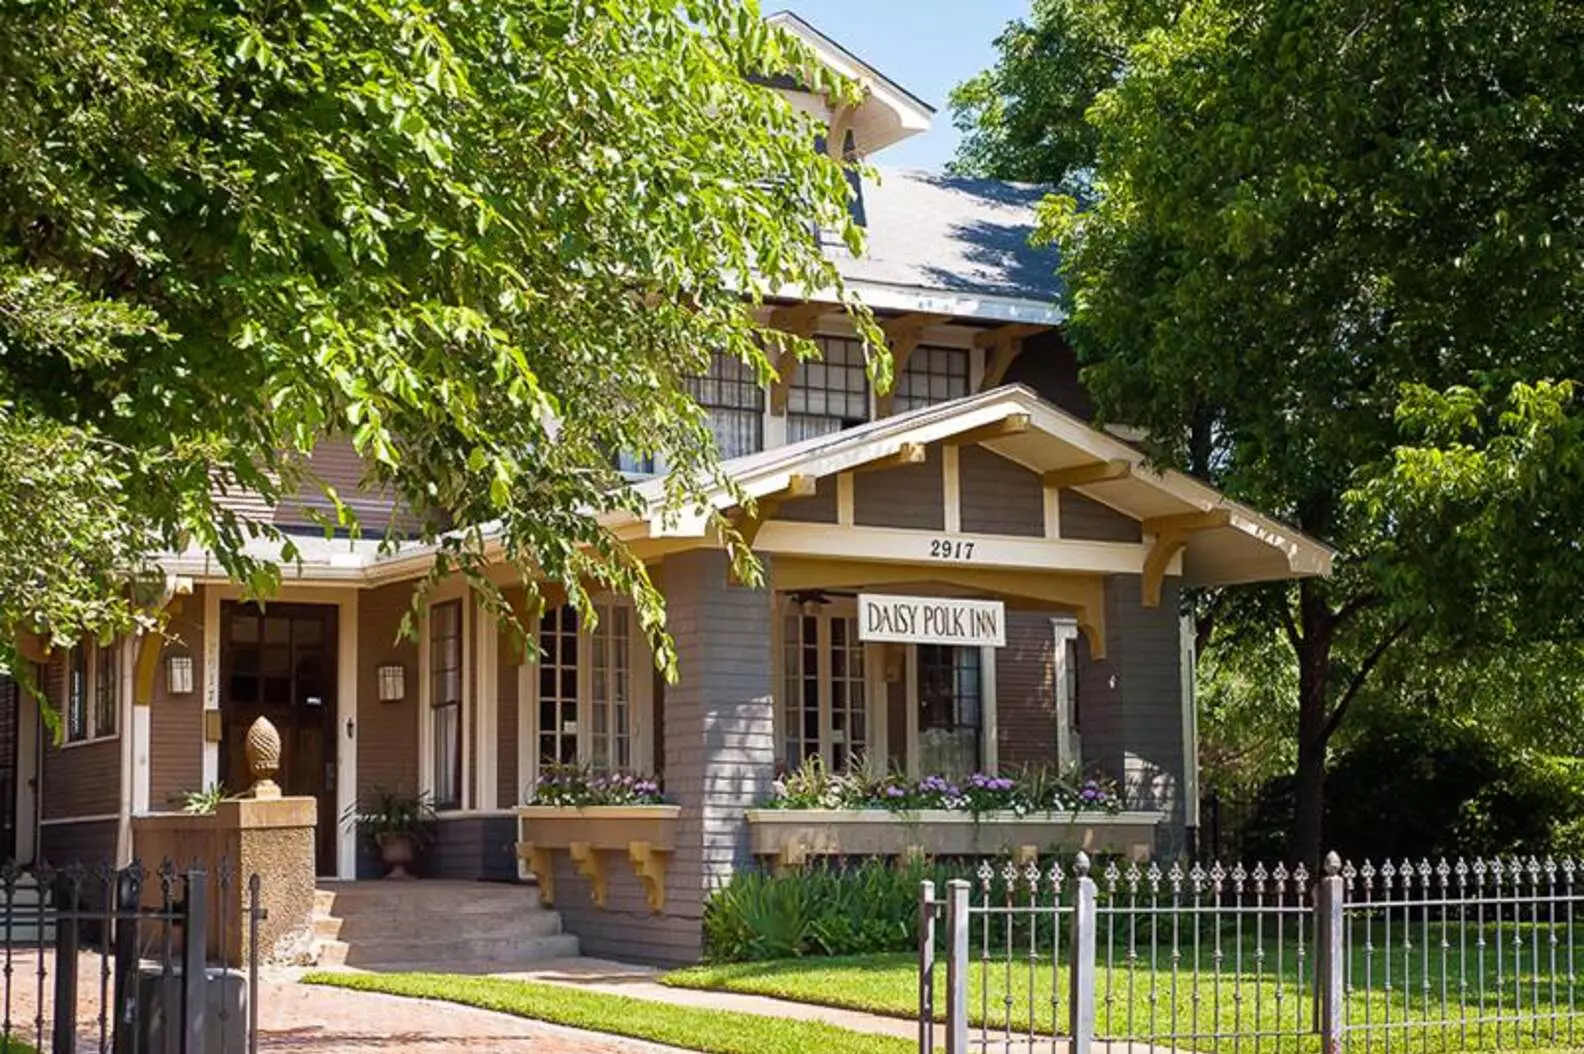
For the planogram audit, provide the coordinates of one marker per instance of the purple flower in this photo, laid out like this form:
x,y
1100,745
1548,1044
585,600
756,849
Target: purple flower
x,y
894,792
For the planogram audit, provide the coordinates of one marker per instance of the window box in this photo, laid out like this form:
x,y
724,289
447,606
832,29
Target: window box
x,y
644,834
789,837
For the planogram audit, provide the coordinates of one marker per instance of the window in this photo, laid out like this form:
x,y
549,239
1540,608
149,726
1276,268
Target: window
x,y
107,690
733,402
1064,674
77,694
933,375
828,394
445,701
824,705
93,691
950,710
589,703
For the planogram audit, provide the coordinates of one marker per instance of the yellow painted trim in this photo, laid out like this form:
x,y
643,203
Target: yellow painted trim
x,y
588,863
1086,475
1010,425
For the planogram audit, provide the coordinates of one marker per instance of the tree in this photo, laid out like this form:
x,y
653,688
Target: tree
x,y
1333,256
487,241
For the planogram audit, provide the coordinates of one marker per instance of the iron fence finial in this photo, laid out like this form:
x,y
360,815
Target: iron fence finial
x,y
1081,865
1333,864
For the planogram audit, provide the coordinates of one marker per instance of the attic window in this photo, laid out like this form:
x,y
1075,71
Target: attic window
x,y
933,376
830,393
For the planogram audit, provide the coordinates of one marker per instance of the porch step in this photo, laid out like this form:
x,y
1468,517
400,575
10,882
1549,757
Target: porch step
x,y
22,919
459,926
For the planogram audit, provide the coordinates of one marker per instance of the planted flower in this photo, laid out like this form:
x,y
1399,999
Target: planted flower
x,y
576,786
1033,790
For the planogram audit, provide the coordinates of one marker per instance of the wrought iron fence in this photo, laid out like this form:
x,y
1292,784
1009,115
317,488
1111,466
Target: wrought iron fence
x,y
124,961
1142,957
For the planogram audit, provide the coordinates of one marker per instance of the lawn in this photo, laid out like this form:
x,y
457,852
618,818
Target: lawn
x,y
11,1045
710,1031
1236,991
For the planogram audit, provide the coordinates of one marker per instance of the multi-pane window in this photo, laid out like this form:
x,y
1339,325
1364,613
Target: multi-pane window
x,y
824,705
107,690
611,740
830,393
77,694
933,375
950,709
445,701
558,686
733,402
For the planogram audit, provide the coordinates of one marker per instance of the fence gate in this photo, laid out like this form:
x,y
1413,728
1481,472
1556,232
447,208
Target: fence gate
x,y
98,959
1140,958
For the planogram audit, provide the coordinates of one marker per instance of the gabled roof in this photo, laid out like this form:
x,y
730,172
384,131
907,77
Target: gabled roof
x,y
1225,542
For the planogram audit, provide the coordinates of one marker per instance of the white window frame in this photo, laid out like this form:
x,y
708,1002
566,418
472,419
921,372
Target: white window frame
x,y
1064,685
875,752
640,701
91,650
426,773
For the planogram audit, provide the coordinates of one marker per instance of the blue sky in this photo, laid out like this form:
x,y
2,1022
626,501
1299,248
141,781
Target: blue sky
x,y
927,46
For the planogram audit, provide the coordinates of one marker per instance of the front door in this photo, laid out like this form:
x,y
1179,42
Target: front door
x,y
279,662
19,767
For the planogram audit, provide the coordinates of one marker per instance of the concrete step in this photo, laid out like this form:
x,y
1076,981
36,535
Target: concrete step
x,y
326,928
390,954
330,953
27,921
449,899
363,926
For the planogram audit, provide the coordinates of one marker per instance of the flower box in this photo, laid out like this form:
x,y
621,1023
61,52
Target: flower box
x,y
791,836
644,834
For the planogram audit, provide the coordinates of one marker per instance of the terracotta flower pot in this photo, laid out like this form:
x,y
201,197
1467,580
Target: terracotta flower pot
x,y
397,852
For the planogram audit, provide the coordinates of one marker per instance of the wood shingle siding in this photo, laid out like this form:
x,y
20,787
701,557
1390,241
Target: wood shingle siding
x,y
176,737
387,732
999,496
79,779
909,496
820,507
509,786
1087,520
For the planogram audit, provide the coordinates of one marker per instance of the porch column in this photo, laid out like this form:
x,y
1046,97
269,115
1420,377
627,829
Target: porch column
x,y
719,718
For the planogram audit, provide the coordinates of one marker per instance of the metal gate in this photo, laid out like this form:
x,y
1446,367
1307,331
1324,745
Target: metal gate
x,y
98,959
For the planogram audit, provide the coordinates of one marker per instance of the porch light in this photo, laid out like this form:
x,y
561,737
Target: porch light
x,y
178,674
392,677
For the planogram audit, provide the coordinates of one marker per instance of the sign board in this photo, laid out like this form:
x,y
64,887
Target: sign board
x,y
931,620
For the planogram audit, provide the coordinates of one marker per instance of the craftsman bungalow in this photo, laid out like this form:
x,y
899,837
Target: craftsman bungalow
x,y
977,479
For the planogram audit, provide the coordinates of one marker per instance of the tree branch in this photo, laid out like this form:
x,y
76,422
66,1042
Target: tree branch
x,y
1369,664
1291,628
1354,606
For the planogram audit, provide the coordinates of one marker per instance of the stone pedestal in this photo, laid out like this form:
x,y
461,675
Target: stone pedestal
x,y
273,839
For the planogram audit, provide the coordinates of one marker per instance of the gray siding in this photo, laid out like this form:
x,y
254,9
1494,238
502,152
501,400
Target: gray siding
x,y
911,496
91,843
819,507
1049,366
719,757
1087,520
999,496
474,847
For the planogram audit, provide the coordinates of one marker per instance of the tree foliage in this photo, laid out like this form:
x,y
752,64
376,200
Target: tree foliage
x,y
1333,263
485,240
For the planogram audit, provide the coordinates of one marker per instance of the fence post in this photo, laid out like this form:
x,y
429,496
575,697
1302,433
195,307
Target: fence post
x,y
1330,978
926,966
68,894
128,899
957,966
1081,960
195,961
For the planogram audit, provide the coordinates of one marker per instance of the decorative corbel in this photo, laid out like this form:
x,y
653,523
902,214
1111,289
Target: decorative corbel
x,y
537,860
798,320
1010,425
587,861
649,864
1171,537
149,646
903,334
1002,345
1087,475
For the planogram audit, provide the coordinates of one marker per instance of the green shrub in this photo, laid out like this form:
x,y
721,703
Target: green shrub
x,y
853,908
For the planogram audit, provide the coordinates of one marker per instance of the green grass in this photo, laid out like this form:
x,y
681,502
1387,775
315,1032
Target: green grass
x,y
1137,1002
692,1028
12,1045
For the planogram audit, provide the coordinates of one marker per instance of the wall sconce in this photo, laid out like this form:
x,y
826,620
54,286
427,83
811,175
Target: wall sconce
x,y
178,674
392,678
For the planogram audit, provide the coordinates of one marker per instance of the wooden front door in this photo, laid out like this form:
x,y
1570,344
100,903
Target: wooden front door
x,y
279,662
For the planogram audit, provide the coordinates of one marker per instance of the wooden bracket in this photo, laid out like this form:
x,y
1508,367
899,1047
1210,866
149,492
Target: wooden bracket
x,y
649,864
587,861
792,855
1010,425
799,486
1085,475
538,861
1003,345
906,454
800,320
1171,537
904,334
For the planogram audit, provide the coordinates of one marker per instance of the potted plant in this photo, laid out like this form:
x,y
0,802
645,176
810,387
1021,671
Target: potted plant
x,y
400,825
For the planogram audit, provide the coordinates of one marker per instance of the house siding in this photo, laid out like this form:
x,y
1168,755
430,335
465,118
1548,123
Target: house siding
x,y
819,507
508,783
999,496
91,843
719,756
387,732
1049,366
176,733
1085,519
78,779
474,847
912,496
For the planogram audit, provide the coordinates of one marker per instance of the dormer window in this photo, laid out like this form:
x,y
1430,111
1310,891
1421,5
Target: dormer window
x,y
933,376
830,393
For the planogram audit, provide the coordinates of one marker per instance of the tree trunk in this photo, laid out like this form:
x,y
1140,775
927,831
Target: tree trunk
x,y
1316,623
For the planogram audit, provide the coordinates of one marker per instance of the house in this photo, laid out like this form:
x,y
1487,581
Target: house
x,y
978,478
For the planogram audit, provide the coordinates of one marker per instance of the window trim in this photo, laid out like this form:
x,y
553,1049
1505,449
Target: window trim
x,y
919,357
875,752
426,728
91,650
